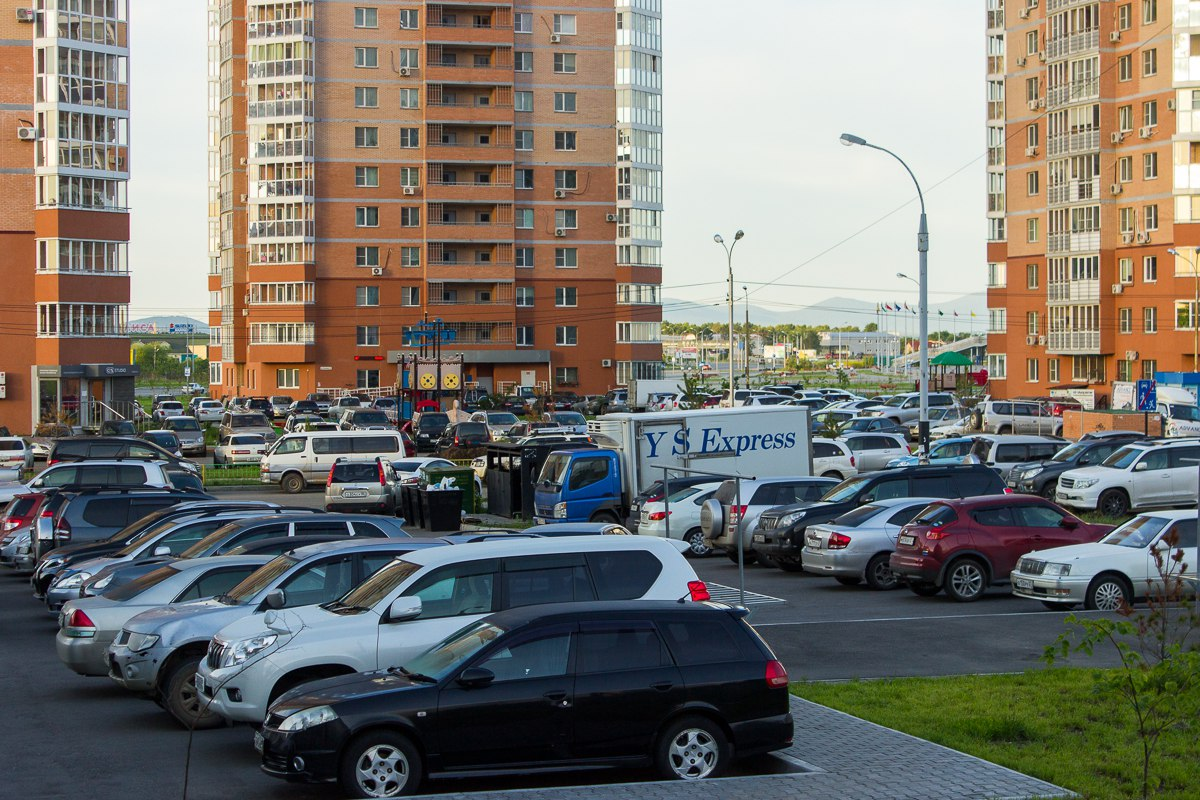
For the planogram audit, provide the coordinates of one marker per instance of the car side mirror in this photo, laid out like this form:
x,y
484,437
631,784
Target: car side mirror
x,y
1141,466
162,550
38,484
403,609
476,678
868,498
275,599
1068,523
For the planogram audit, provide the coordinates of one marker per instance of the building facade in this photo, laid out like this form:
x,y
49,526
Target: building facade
x,y
493,165
64,223
1093,192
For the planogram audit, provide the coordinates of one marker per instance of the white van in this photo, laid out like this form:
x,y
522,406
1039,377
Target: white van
x,y
297,459
1181,416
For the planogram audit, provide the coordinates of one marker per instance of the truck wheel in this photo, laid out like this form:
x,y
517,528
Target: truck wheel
x,y
292,483
604,516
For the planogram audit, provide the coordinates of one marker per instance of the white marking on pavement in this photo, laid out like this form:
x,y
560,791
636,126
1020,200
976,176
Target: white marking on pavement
x,y
731,594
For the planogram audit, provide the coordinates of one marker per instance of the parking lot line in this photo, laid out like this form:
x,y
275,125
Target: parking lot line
x,y
730,594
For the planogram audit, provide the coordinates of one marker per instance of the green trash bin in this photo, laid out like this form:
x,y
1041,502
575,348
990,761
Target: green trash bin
x,y
464,480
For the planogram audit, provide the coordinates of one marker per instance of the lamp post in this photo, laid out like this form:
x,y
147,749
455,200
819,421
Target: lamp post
x,y
729,262
849,140
1192,262
746,336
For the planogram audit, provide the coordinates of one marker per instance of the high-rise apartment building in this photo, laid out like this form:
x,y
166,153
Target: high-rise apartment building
x,y
64,224
494,165
1093,184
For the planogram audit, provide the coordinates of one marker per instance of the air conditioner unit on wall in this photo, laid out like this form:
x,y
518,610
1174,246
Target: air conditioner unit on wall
x,y
1117,288
1115,188
405,72
410,190
377,270
1146,131
1020,61
1033,105
1041,102
610,217
1126,238
560,232
1143,238
1042,340
1031,340
560,193
1171,104
27,134
1114,36
1116,137
1031,151
555,38
1131,355
606,362
26,15
1023,13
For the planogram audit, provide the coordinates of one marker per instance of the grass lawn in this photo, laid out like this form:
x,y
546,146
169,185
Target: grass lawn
x,y
1045,723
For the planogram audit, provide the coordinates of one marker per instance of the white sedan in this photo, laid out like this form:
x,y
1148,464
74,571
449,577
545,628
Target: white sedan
x,y
684,508
240,448
1115,571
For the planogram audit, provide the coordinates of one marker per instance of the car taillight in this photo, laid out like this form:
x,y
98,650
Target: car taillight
x,y
241,452
936,532
52,462
657,516
698,591
329,479
736,512
62,531
1007,490
852,462
838,541
456,440
9,524
382,477
777,676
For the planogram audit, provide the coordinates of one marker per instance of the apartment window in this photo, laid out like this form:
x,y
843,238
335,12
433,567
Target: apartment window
x,y
367,336
1031,323
289,378
1149,62
366,217
366,256
410,296
366,97
1031,42
1052,370
366,136
1125,320
1149,166
410,176
1149,269
997,366
1124,370
567,257
366,296
524,257
366,18
410,256
1125,219
367,378
1149,11
564,24
565,297
1125,68
282,333
1088,368
997,320
1032,88
525,296
366,176
997,274
1150,319
564,63
410,137
1031,229
564,102
523,22
410,98
524,178
566,179
524,219
1031,182
1031,276
1125,169
1125,270
1150,215
1150,113
410,217
1031,370
524,336
1031,135
566,335
566,376
408,19
522,61
367,57
1185,315
523,101
1149,367
523,140
1125,119
566,218
564,140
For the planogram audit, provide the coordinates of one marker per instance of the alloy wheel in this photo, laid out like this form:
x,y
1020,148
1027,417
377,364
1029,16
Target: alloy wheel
x,y
382,771
693,754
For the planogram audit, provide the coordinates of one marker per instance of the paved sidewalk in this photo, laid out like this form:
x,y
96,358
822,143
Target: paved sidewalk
x,y
848,759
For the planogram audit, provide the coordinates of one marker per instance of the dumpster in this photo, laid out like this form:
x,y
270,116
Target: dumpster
x,y
511,471
464,481
412,505
441,509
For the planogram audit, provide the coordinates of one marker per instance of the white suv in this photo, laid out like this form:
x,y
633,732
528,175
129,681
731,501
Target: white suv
x,y
421,598
833,459
1145,474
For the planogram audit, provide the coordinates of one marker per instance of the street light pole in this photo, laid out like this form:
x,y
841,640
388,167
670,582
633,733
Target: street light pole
x,y
746,336
1193,263
923,285
729,263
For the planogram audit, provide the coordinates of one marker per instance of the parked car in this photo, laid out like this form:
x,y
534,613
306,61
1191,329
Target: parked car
x,y
427,428
832,458
15,453
299,459
189,433
364,419
684,507
490,684
463,436
781,400
498,422
167,408
782,532
822,420
340,404
858,545
240,448
1116,571
1014,416
904,408
304,407
1003,452
941,415
562,401
856,405
109,473
208,411
589,404
965,546
364,486
321,399
89,448
280,405
260,404
300,422
1140,475
946,451
159,399
246,422
873,451
1041,476
420,599
727,526
654,493
167,440
16,537
568,421
875,425
87,626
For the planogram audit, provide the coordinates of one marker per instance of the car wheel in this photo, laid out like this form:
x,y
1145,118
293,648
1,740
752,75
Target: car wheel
x,y
790,564
1004,430
1108,593
848,580
696,546
832,474
749,558
1058,606
380,763
1113,503
879,573
766,561
691,749
1050,489
966,580
292,483
184,702
604,516
924,589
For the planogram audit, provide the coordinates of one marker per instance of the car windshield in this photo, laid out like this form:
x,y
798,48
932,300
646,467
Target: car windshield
x,y
569,418
1188,413
126,591
196,550
444,658
1123,458
683,494
378,586
1138,532
162,438
898,400
188,424
370,418
501,418
934,515
845,490
554,471
249,421
258,580
1070,452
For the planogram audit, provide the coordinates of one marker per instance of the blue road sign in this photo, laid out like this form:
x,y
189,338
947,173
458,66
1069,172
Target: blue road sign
x,y
1147,396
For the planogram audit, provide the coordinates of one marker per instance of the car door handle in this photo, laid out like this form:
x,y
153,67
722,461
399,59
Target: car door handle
x,y
558,699
662,686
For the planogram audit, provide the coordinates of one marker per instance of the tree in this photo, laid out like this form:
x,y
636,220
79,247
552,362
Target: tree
x,y
870,327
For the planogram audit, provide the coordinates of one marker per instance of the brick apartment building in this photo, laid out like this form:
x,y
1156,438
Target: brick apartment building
x,y
493,165
1093,181
64,226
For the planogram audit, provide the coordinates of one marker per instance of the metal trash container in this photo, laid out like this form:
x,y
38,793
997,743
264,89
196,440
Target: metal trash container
x,y
412,505
464,481
441,509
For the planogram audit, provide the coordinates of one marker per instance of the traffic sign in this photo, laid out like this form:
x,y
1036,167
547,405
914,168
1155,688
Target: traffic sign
x,y
1147,395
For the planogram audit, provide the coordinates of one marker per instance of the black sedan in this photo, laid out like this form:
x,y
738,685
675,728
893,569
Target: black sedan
x,y
685,687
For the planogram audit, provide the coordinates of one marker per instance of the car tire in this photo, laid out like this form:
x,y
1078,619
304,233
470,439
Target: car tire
x,y
696,546
1052,606
766,561
832,474
691,749
966,580
879,573
1049,490
749,558
1113,503
380,763
292,483
1004,430
922,589
788,564
1108,592
848,580
183,702
604,516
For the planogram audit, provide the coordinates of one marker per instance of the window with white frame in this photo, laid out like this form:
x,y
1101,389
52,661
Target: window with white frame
x,y
564,24
1031,229
1124,370
410,98
367,378
566,218
566,257
638,332
366,97
410,217
80,255
525,297
410,295
1125,169
565,296
366,136
1031,370
1125,270
366,296
1124,320
1150,319
296,293
564,102
1185,315
366,17
997,320
566,179
523,22
524,218
523,101
367,335
997,366
410,176
1125,219
564,140
639,294
1149,11
282,333
523,61
1149,62
524,335
1125,118
410,256
564,63
1149,166
366,217
61,320
1150,113
523,140
1032,184
1031,323
1149,269
408,57
410,137
523,257
409,20
366,57
366,256
1150,217
366,177
287,378
997,274
566,376
566,335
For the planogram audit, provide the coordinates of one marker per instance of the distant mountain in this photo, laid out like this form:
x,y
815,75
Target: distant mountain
x,y
834,312
163,324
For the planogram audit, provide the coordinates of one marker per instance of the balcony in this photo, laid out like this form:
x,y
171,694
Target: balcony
x,y
1071,143
1073,343
280,29
288,148
1074,192
470,293
1070,242
267,190
1073,92
282,229
290,68
1072,44
482,333
1073,292
280,108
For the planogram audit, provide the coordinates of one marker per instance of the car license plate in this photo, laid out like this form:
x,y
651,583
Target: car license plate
x,y
908,540
539,520
258,741
759,538
354,493
199,683
1023,583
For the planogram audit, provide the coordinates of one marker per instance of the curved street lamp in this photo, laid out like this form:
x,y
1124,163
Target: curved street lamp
x,y
729,262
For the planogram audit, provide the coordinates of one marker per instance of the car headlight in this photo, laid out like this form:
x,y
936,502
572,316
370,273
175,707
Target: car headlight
x,y
308,718
560,510
140,642
1057,570
1083,483
238,652
51,563
72,581
103,583
790,519
1033,471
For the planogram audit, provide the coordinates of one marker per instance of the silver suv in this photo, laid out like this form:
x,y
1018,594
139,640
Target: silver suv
x,y
1017,416
905,408
365,486
721,516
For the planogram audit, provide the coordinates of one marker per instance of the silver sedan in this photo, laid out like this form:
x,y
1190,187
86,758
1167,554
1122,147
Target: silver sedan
x,y
858,544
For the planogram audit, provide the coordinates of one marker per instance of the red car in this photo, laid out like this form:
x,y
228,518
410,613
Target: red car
x,y
965,546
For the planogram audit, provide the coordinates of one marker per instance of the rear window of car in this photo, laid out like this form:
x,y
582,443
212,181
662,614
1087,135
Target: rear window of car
x,y
472,429
370,418
19,507
699,641
623,574
826,450
355,473
248,438
856,517
936,514
433,422
106,512
185,479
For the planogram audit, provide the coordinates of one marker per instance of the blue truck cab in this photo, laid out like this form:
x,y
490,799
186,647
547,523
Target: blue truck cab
x,y
579,486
